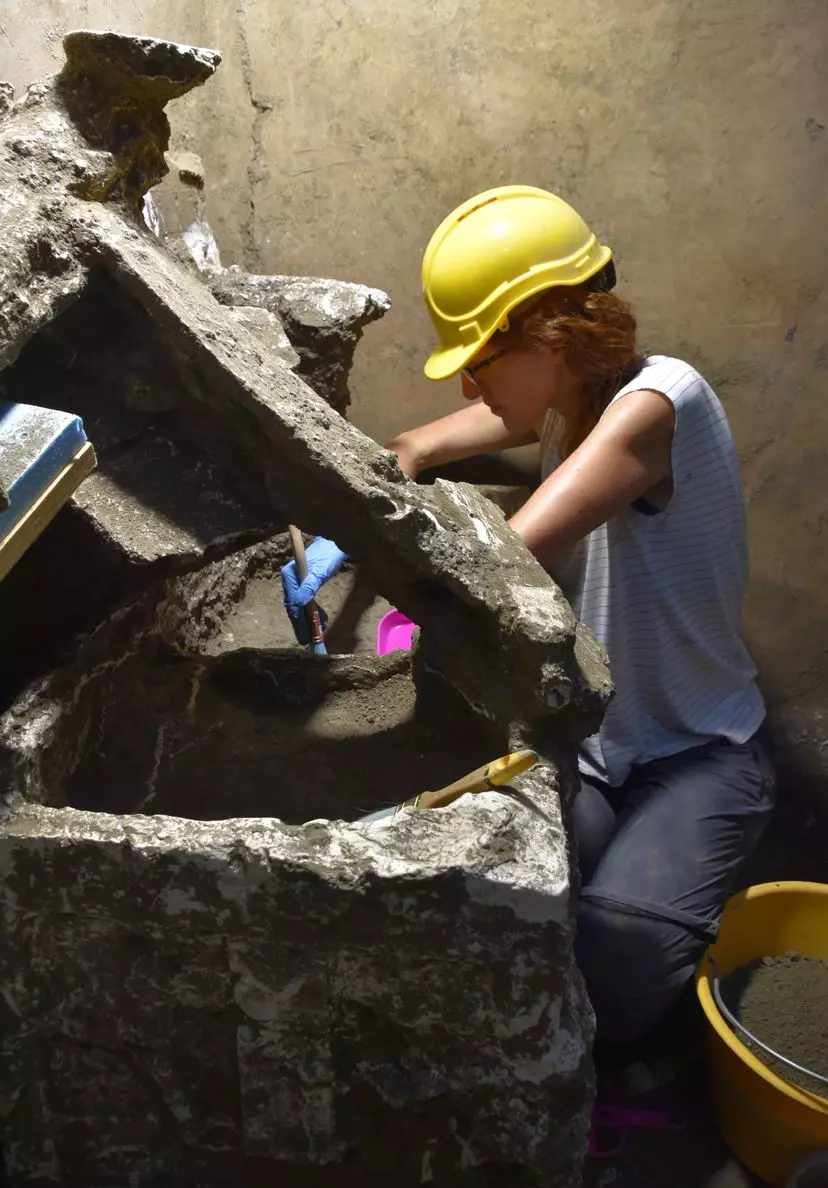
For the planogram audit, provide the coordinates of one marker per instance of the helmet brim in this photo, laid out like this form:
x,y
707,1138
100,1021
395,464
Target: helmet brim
x,y
444,363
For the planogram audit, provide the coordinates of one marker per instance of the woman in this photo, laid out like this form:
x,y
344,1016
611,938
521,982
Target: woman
x,y
640,519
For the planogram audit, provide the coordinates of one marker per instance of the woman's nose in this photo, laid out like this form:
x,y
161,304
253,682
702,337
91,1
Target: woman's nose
x,y
468,387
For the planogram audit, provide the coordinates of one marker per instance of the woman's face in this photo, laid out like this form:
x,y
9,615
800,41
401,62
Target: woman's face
x,y
518,385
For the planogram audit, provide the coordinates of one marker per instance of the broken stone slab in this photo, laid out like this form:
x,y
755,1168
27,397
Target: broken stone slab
x,y
442,555
115,89
172,492
211,1001
268,330
222,985
324,320
162,474
183,996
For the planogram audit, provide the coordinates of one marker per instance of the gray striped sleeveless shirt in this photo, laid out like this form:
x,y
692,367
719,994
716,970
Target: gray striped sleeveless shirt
x,y
663,593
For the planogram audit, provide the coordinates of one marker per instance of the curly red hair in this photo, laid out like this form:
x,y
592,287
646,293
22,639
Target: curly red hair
x,y
596,332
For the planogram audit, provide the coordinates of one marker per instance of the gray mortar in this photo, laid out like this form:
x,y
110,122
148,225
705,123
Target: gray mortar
x,y
208,998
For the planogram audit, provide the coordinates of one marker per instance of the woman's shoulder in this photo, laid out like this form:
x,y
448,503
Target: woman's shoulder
x,y
678,380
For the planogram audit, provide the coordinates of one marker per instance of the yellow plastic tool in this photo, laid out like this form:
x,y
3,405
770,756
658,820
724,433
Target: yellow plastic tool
x,y
769,1123
33,521
483,779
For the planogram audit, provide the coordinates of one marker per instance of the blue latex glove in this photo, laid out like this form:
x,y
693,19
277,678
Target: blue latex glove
x,y
324,559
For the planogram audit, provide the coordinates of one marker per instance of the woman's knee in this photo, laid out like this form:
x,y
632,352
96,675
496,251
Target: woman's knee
x,y
594,822
635,967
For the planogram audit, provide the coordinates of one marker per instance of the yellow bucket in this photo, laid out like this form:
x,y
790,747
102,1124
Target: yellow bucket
x,y
767,1122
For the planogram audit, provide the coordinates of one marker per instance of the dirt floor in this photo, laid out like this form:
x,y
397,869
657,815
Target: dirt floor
x,y
692,1155
260,621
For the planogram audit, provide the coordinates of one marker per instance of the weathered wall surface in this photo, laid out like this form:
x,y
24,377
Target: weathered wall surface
x,y
691,133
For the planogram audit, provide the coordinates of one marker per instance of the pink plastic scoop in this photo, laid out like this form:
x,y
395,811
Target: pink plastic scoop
x,y
394,633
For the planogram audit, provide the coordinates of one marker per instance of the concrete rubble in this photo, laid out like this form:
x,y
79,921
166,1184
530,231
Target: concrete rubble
x,y
323,320
200,985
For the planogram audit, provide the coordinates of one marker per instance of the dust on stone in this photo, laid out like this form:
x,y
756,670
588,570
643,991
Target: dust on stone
x,y
783,1001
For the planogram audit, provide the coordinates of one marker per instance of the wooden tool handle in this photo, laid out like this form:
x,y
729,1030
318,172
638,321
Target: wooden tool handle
x,y
490,775
297,543
311,609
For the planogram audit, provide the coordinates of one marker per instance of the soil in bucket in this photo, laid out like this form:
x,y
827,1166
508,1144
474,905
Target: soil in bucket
x,y
783,1001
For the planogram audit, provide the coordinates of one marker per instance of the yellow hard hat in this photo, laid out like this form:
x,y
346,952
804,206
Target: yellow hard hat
x,y
492,253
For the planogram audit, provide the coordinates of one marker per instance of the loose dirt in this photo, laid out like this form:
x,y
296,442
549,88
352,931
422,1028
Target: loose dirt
x,y
784,1002
259,620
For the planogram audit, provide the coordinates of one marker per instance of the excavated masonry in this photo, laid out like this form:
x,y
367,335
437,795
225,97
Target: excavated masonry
x,y
211,971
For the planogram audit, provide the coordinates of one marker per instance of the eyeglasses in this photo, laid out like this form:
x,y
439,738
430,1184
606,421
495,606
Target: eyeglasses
x,y
471,372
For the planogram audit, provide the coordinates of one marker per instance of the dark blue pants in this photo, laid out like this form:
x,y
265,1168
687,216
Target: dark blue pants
x,y
659,857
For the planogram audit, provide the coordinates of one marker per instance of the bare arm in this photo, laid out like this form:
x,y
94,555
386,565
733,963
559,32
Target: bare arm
x,y
462,434
625,456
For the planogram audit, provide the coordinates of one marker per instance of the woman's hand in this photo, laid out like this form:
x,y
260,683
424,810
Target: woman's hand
x,y
627,454
324,559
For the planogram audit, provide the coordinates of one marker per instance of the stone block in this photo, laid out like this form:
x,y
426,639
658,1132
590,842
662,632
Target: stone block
x,y
353,998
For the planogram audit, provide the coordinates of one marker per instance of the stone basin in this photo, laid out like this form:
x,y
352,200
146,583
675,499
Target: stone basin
x,y
212,973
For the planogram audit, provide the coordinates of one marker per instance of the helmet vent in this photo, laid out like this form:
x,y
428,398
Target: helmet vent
x,y
479,206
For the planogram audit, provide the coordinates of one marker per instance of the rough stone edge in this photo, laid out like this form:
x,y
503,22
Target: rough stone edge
x,y
241,853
